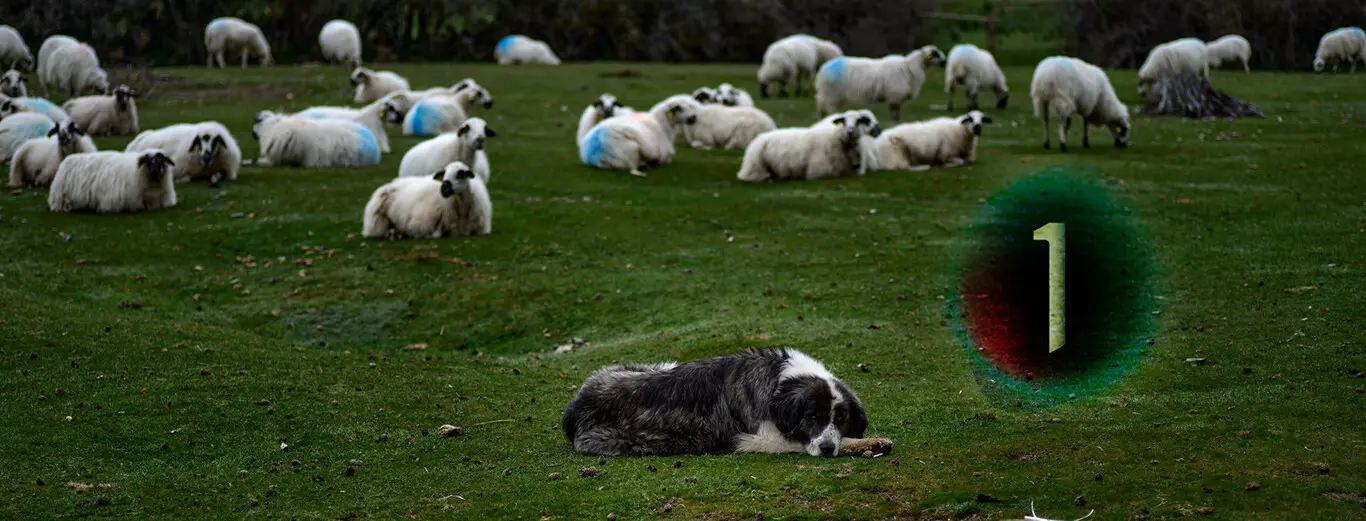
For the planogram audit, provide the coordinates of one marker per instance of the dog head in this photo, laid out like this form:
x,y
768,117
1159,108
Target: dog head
x,y
814,408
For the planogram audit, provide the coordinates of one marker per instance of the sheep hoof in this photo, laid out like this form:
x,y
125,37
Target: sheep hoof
x,y
637,173
1047,145
1062,147
1086,143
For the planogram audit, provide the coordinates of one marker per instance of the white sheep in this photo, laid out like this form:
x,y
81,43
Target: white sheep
x,y
706,95
113,115
606,106
372,116
107,182
1064,87
516,49
438,114
374,85
788,60
633,142
1173,58
716,125
14,53
465,145
12,84
340,41
816,152
204,150
937,142
974,69
19,127
36,161
868,127
731,96
76,70
443,91
36,105
313,143
1347,44
453,202
225,35
50,46
1229,48
855,82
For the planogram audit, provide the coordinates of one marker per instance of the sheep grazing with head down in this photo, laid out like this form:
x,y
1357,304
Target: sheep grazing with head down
x,y
1064,87
372,116
340,41
201,151
858,82
1344,45
12,84
374,85
465,145
1231,48
113,115
36,161
228,35
515,49
109,182
313,143
974,69
717,125
50,47
76,70
817,152
14,53
937,142
16,128
35,105
438,114
788,60
452,202
1173,58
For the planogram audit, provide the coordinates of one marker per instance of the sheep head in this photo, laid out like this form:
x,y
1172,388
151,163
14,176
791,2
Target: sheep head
x,y
705,95
728,95
360,76
607,105
454,179
7,106
678,112
67,132
208,146
156,162
12,83
972,121
1120,131
121,96
474,132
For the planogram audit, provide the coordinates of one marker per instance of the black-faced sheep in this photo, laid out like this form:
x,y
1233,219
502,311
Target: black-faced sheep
x,y
974,69
113,115
373,85
108,182
311,143
201,151
1347,44
1172,58
465,145
14,53
788,60
36,161
340,42
516,49
816,152
452,202
1231,48
936,142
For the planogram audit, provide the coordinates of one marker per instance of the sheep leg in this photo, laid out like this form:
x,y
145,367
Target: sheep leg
x,y
1085,134
1046,137
1063,127
221,63
950,99
763,90
1246,68
972,100
245,55
896,111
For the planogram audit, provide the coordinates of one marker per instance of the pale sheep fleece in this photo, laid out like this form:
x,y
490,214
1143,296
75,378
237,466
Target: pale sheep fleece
x,y
12,84
228,34
790,59
314,143
14,53
633,143
435,115
15,129
454,204
371,116
340,41
465,145
1171,59
36,161
34,105
1063,87
727,127
374,85
515,49
974,69
804,153
76,70
606,106
1347,44
50,46
859,82
108,182
945,141
113,115
1230,48
201,151
731,96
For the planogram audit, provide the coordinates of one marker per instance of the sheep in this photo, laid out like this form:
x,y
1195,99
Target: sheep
x,y
716,125
224,35
19,127
465,145
787,60
454,202
340,41
204,150
76,70
730,96
706,95
806,153
1230,48
632,142
437,114
36,161
974,69
868,127
312,143
35,105
937,142
895,79
372,116
108,182
372,85
114,115
14,52
12,84
1063,87
1347,44
516,49
1172,58
606,106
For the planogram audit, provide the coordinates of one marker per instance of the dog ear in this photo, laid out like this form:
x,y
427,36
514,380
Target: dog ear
x,y
858,422
787,407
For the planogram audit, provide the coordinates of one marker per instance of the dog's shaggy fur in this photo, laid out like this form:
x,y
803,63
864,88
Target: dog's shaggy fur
x,y
762,400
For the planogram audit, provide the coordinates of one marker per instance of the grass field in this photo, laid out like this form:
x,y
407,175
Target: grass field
x,y
156,362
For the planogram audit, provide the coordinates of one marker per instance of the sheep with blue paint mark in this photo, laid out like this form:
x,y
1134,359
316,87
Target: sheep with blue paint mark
x,y
859,82
112,115
14,53
12,84
372,116
1347,44
606,106
340,42
76,70
790,59
201,151
1229,48
809,153
634,143
1173,58
35,105
1064,87
19,127
287,140
373,85
438,114
974,69
515,49
465,145
36,161
109,182
227,35
450,203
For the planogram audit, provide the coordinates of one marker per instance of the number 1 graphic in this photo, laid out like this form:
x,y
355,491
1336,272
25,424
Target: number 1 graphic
x,y
1056,235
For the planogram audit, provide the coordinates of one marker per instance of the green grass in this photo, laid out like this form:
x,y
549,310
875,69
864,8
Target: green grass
x,y
162,335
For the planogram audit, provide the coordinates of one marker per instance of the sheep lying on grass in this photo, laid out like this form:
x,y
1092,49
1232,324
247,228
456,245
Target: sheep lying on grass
x,y
1064,87
788,60
373,85
113,115
204,150
372,116
312,143
936,142
634,143
816,152
108,182
12,84
1347,44
516,49
1231,48
974,69
228,34
465,145
713,125
36,161
35,105
453,202
340,42
19,127
1172,58
437,114
606,106
859,82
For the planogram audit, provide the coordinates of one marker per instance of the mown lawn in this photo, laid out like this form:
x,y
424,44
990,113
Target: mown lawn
x,y
162,358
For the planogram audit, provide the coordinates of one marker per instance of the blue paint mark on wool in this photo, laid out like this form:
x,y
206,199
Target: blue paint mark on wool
x,y
217,21
505,44
419,118
369,146
1358,31
594,147
44,107
961,49
36,128
834,69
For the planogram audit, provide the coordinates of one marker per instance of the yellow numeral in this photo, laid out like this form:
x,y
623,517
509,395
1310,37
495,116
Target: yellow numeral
x,y
1056,235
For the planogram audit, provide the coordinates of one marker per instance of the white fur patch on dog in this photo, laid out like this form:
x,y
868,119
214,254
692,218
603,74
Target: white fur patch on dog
x,y
768,440
799,364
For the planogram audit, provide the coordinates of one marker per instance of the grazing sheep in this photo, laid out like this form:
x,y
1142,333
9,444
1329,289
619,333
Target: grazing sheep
x,y
1347,44
313,143
1230,48
36,161
1064,87
108,182
372,116
340,41
372,86
606,106
1172,58
633,142
204,150
76,70
12,84
225,35
438,114
14,52
19,127
974,69
722,126
806,153
50,46
465,145
452,203
788,60
516,49
850,82
936,142
113,115
35,105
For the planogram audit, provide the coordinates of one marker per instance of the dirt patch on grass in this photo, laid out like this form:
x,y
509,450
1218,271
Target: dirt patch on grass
x,y
185,94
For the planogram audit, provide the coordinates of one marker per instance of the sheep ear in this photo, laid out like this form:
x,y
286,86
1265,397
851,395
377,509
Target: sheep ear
x,y
142,160
966,120
838,121
194,146
168,159
464,129
597,103
702,97
219,142
986,119
439,176
53,132
77,130
488,132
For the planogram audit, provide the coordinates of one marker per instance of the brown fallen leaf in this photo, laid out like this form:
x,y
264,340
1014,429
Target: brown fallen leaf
x,y
1300,289
415,347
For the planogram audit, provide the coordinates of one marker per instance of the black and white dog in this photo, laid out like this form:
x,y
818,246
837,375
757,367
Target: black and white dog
x,y
761,400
